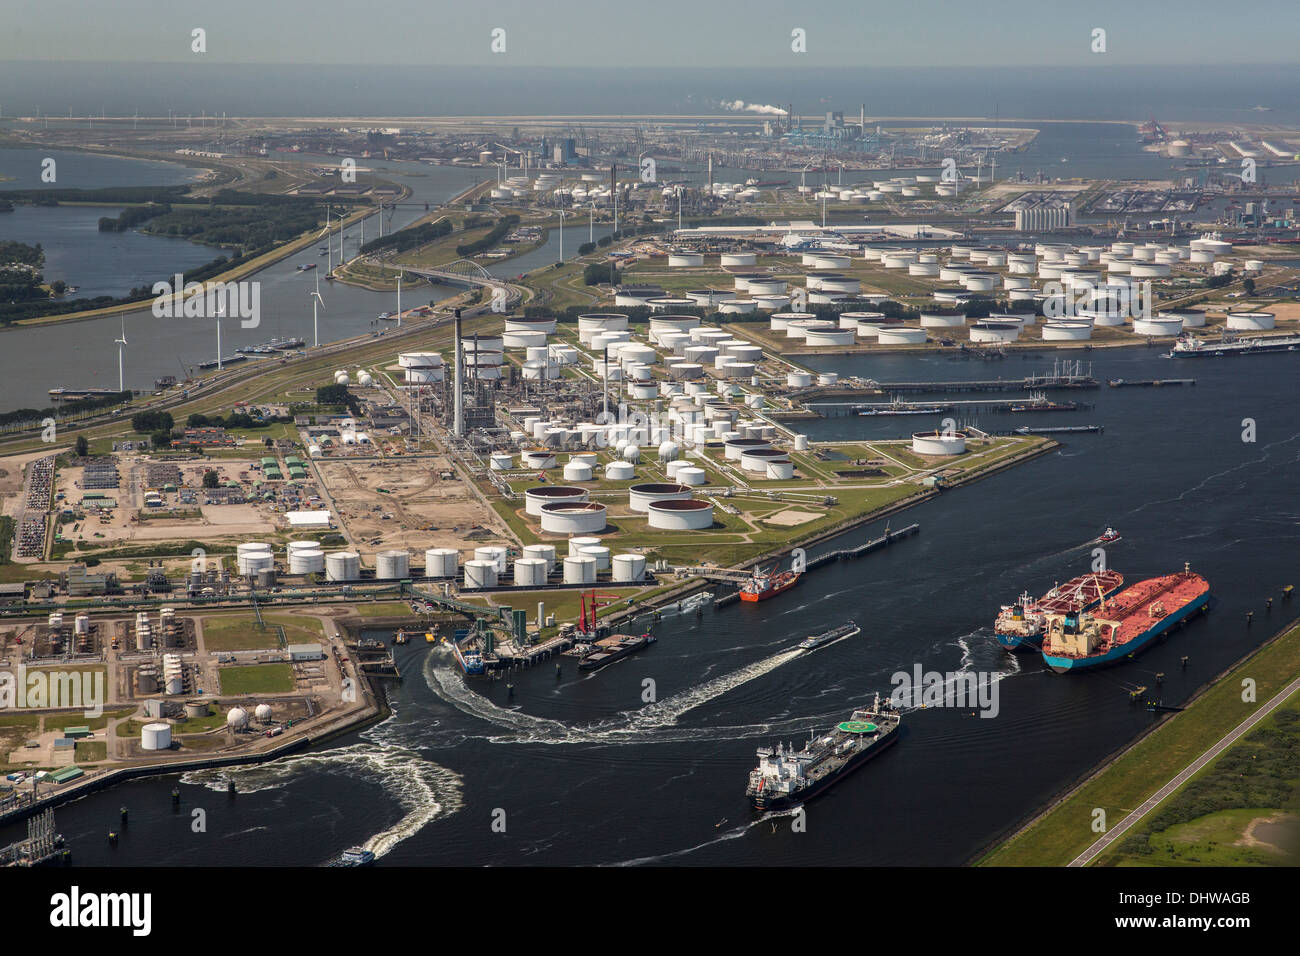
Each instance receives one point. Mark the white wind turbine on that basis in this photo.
(121, 343)
(315, 301)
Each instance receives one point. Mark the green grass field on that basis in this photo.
(256, 679)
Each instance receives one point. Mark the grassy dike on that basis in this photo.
(1064, 830)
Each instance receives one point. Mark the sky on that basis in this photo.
(656, 33)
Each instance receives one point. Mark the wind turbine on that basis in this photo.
(120, 343)
(315, 300)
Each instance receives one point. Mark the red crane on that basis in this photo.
(597, 601)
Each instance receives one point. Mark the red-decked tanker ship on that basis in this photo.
(1121, 627)
(1020, 626)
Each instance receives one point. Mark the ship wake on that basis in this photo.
(424, 790)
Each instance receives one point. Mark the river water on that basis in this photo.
(586, 773)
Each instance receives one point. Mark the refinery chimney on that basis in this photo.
(458, 424)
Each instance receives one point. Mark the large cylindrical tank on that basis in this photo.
(494, 553)
(306, 560)
(628, 568)
(561, 517)
(577, 471)
(579, 569)
(156, 737)
(1250, 321)
(939, 443)
(1066, 331)
(342, 566)
(392, 565)
(600, 553)
(480, 573)
(640, 496)
(900, 335)
(545, 552)
(680, 514)
(530, 572)
(534, 498)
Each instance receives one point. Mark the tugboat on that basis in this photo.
(786, 777)
(765, 584)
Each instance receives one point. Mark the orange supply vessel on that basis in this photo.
(766, 584)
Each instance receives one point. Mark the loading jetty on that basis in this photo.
(826, 557)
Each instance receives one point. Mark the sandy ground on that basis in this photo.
(424, 510)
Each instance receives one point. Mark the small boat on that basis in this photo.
(356, 856)
(1110, 534)
(307, 267)
(719, 824)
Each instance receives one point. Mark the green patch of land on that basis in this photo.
(240, 632)
(256, 679)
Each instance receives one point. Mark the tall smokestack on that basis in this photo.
(458, 423)
(613, 189)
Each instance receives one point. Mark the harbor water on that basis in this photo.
(584, 769)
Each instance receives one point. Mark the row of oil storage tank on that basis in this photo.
(587, 559)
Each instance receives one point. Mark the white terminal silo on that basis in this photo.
(156, 737)
(567, 518)
(441, 562)
(1066, 331)
(620, 471)
(680, 514)
(939, 443)
(678, 260)
(546, 552)
(494, 553)
(599, 552)
(480, 574)
(579, 569)
(535, 498)
(530, 572)
(737, 306)
(901, 335)
(628, 568)
(577, 471)
(392, 565)
(1250, 321)
(343, 566)
(994, 331)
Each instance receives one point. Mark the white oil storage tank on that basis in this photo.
(579, 569)
(343, 566)
(441, 562)
(392, 565)
(681, 514)
(480, 574)
(578, 517)
(156, 737)
(939, 443)
(628, 568)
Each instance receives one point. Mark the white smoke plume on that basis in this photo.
(740, 106)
